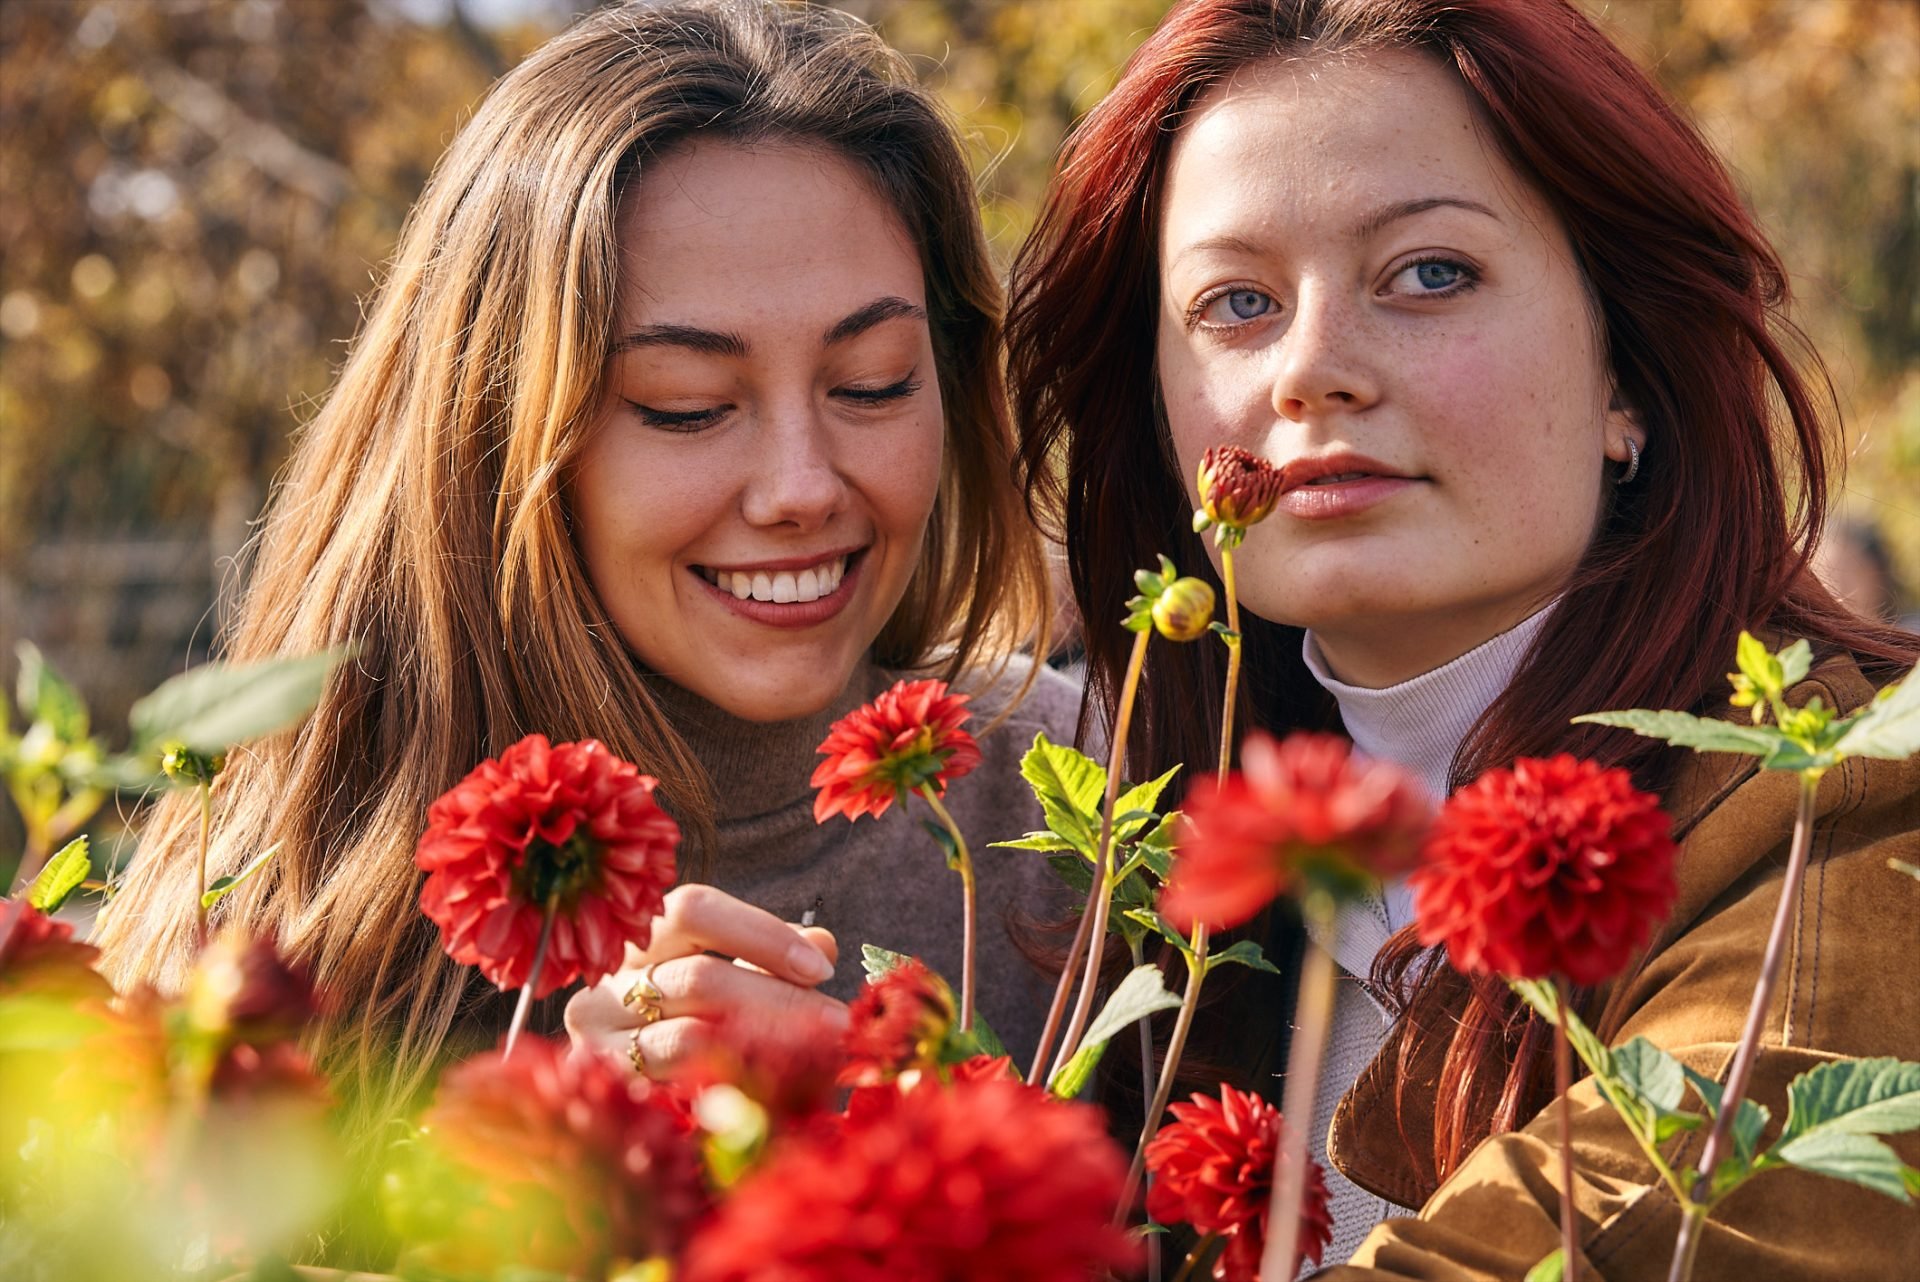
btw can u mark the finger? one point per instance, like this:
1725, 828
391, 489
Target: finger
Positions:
751, 1005
666, 1047
819, 936
596, 1012
699, 918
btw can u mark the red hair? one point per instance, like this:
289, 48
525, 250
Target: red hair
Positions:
1712, 537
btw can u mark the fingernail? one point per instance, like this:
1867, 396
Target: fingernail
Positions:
809, 963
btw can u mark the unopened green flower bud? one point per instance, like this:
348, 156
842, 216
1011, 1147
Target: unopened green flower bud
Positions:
1184, 610
183, 765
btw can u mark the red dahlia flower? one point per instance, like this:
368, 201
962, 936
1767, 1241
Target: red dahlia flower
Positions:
40, 952
1304, 810
569, 825
549, 1161
1556, 867
1213, 1169
241, 987
899, 1021
881, 751
988, 1180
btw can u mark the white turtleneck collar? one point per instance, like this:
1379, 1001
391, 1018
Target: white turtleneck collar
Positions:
1418, 724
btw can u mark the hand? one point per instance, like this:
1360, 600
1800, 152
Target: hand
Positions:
764, 992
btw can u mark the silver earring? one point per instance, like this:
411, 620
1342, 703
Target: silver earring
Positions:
1633, 463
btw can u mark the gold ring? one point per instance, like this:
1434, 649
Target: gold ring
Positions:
645, 997
636, 1056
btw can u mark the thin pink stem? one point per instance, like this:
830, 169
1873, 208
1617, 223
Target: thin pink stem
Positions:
525, 1004
1562, 1083
1303, 1079
965, 861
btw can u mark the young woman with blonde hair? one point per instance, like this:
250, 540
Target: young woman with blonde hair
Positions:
676, 424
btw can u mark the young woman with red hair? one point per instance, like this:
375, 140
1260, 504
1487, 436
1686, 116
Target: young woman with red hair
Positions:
1552, 444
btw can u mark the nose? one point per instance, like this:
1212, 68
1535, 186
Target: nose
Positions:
797, 481
1323, 364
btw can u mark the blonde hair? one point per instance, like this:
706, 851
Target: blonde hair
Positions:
422, 517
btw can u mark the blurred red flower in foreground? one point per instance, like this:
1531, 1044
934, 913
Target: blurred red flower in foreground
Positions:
244, 989
883, 750
1555, 867
548, 1161
1303, 810
987, 1180
1213, 1169
568, 824
40, 952
899, 1021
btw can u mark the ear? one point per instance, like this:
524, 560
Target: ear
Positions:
1622, 421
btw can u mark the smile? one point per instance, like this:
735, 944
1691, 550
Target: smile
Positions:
780, 586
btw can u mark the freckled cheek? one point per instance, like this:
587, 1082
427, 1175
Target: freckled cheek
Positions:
1221, 403
634, 518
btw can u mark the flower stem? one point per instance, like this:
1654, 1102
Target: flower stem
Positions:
1562, 1083
1197, 1256
1749, 1047
1303, 1080
525, 1004
1687, 1245
1197, 942
1182, 1025
1101, 899
200, 896
965, 861
1148, 1087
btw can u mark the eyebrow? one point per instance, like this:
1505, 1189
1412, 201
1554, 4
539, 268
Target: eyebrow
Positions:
1371, 225
710, 342
1388, 214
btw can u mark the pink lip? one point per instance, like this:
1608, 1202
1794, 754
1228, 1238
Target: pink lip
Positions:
790, 614
1376, 484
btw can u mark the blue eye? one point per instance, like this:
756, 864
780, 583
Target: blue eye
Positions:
1435, 277
1235, 306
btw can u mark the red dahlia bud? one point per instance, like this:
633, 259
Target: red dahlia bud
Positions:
241, 985
1237, 487
899, 1021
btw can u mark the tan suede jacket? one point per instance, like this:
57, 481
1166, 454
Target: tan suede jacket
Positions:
1850, 987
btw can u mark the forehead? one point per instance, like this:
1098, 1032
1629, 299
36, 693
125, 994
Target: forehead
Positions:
1309, 142
719, 224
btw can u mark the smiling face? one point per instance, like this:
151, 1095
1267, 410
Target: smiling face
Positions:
754, 500
1356, 284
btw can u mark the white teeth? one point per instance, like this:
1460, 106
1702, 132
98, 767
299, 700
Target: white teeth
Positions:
783, 586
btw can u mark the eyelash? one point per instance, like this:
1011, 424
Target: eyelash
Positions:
694, 420
1469, 279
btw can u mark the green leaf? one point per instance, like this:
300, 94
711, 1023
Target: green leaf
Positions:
1045, 841
61, 876
1858, 1159
1073, 869
223, 885
876, 961
1702, 734
1069, 786
1887, 728
1244, 952
1551, 1269
979, 1040
1137, 800
1654, 1077
1795, 662
1748, 1123
1139, 995
47, 696
218, 705
1854, 1097
1759, 665
1159, 925
943, 839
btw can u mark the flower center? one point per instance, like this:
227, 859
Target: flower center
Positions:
559, 873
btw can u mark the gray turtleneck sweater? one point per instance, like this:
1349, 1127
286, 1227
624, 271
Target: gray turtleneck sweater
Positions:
884, 881
1419, 724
